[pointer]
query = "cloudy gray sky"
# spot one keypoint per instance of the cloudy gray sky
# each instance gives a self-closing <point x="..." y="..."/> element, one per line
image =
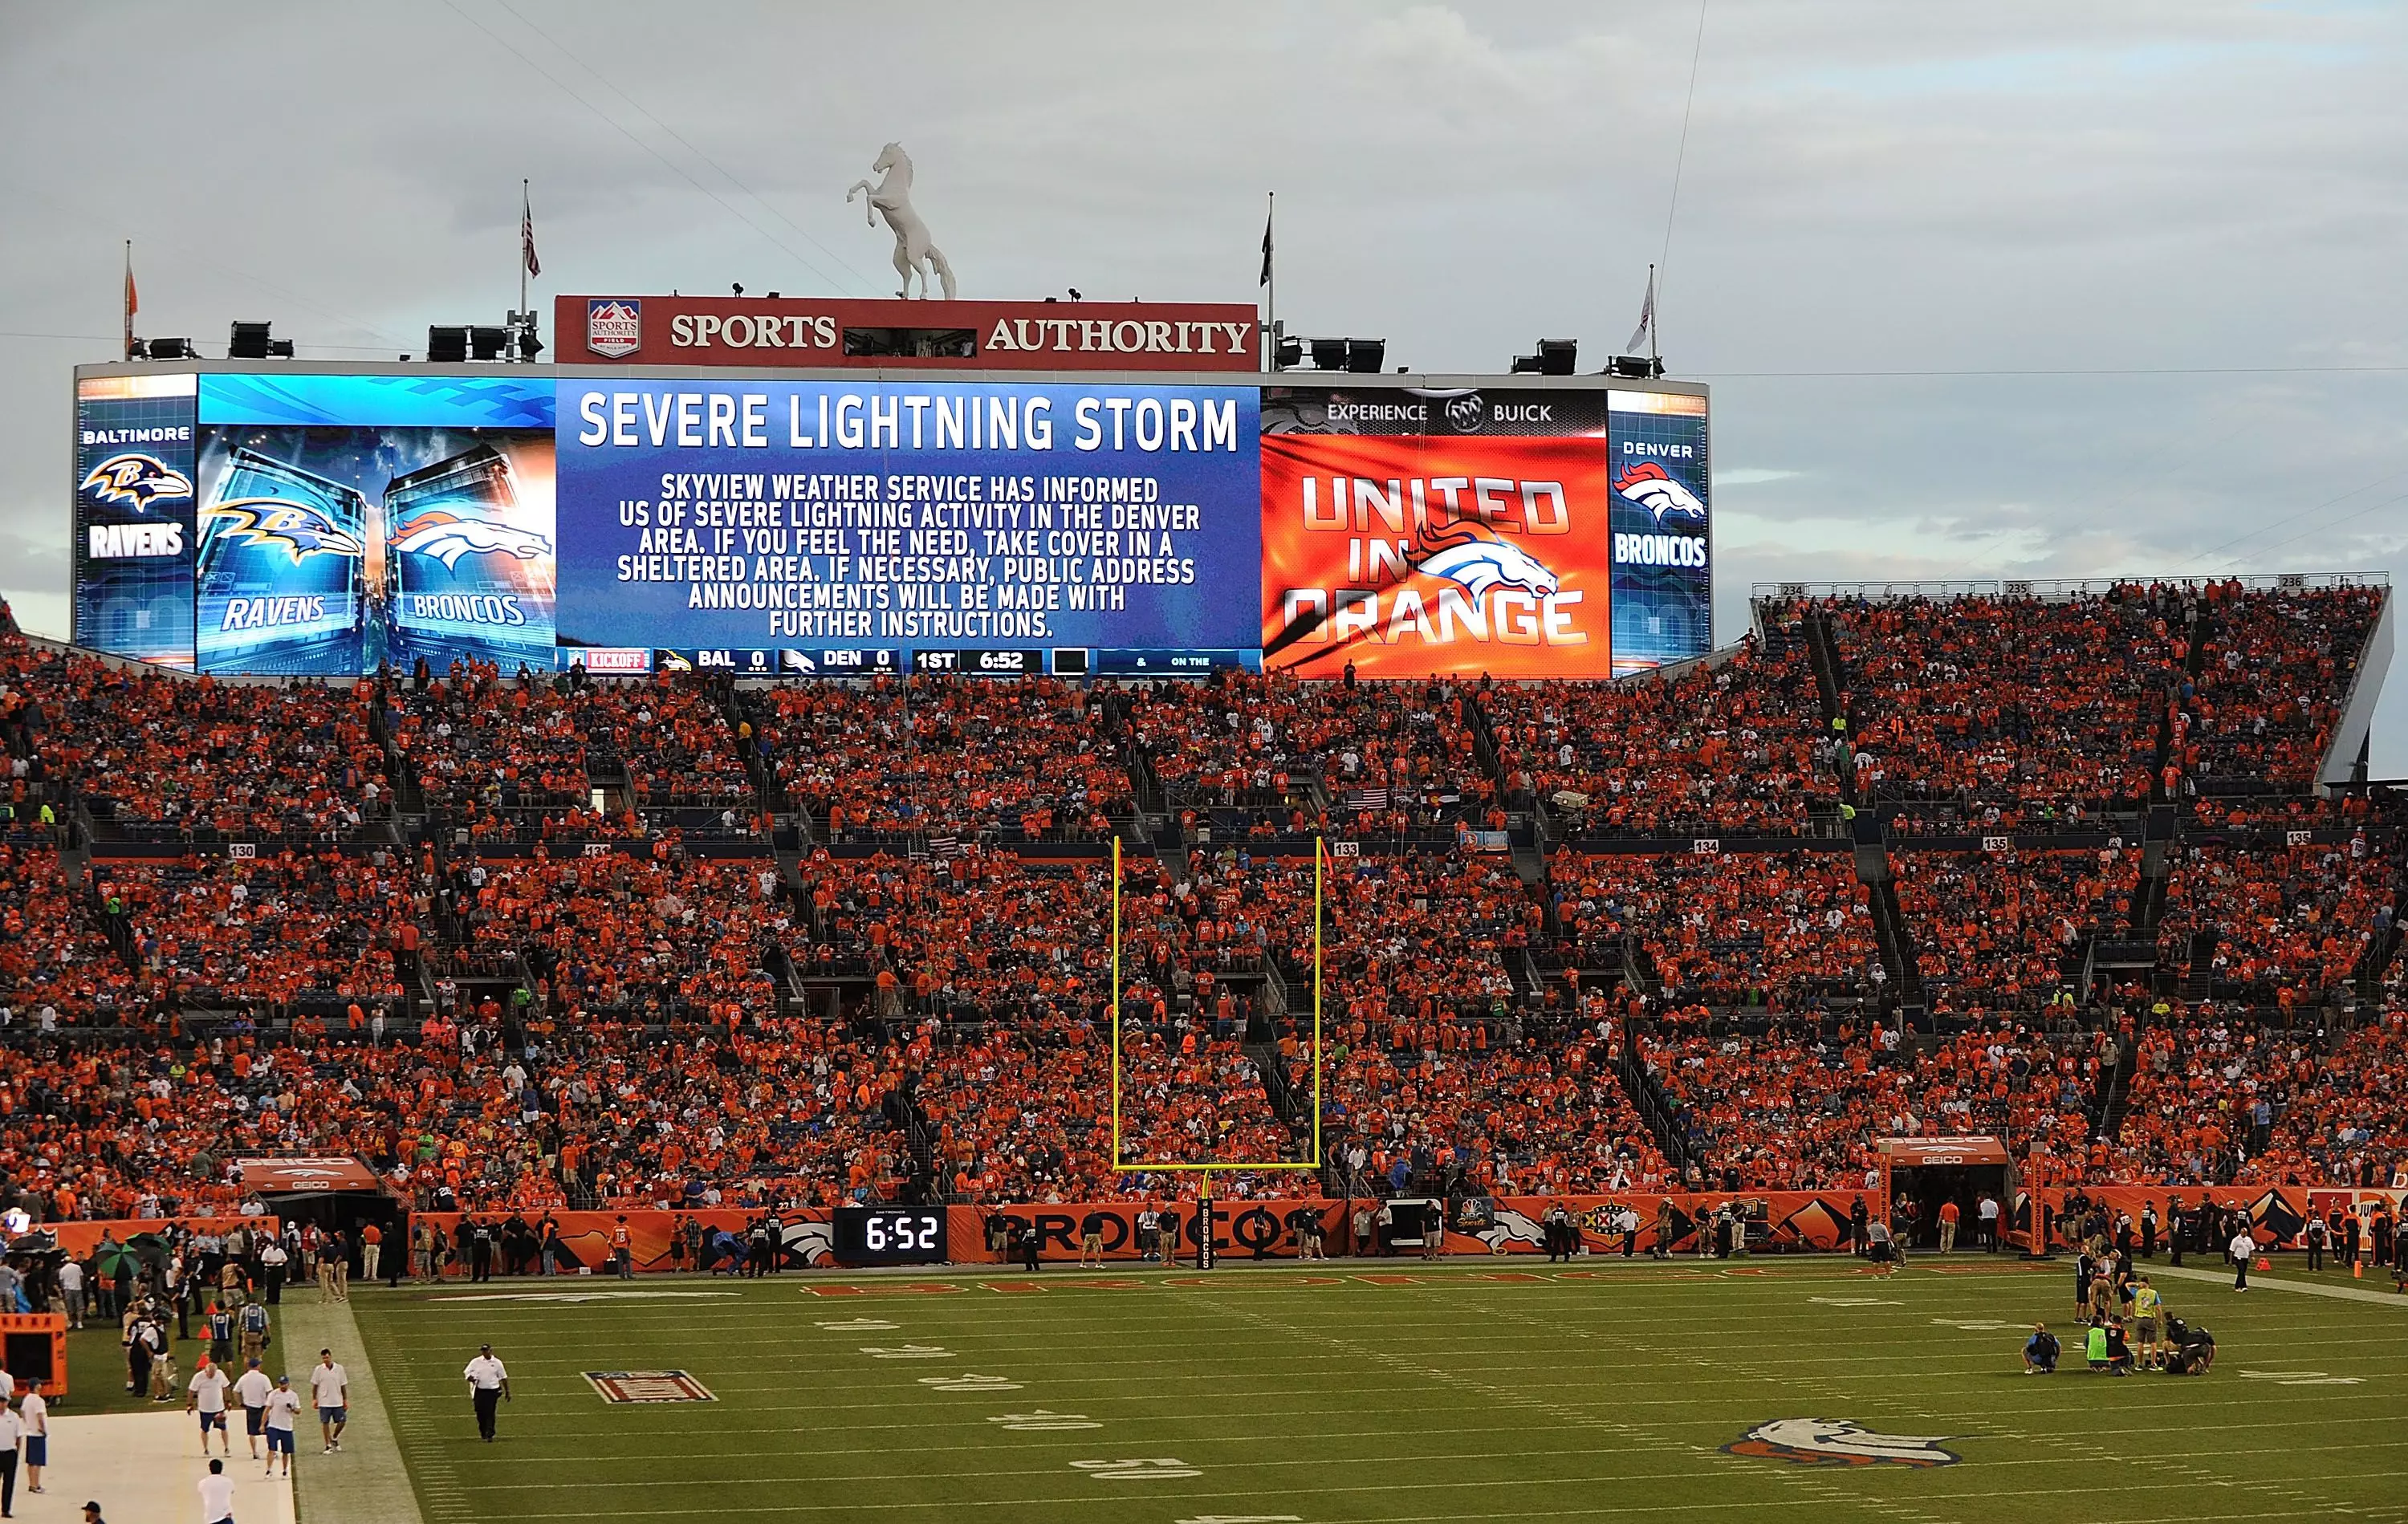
<point x="2050" y="290"/>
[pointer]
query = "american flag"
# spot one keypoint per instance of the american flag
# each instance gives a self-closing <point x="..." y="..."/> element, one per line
<point x="944" y="847"/>
<point x="526" y="233"/>
<point x="1367" y="799"/>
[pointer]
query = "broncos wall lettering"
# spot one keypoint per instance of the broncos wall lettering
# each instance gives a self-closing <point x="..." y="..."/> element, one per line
<point x="1410" y="556"/>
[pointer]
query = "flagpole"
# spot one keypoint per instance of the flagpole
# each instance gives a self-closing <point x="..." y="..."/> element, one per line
<point x="1652" y="337"/>
<point x="526" y="219"/>
<point x="125" y="301"/>
<point x="1270" y="279"/>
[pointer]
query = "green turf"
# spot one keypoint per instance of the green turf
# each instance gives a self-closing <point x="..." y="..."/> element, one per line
<point x="1457" y="1397"/>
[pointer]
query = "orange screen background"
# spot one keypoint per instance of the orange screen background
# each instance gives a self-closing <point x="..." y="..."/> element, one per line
<point x="1295" y="557"/>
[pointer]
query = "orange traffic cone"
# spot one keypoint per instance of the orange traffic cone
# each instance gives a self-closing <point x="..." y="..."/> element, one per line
<point x="2264" y="1263"/>
<point x="2357" y="1269"/>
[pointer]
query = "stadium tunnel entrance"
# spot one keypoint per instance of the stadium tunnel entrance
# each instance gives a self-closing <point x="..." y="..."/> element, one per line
<point x="1927" y="1174"/>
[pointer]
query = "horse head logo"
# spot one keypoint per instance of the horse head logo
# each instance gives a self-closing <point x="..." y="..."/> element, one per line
<point x="447" y="537"/>
<point x="810" y="1244"/>
<point x="1511" y="1227"/>
<point x="1482" y="564"/>
<point x="1826" y="1442"/>
<point x="1653" y="488"/>
<point x="915" y="253"/>
<point x="136" y="478"/>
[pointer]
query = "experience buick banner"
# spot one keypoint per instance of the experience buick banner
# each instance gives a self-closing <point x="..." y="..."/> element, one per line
<point x="350" y="521"/>
<point x="1409" y="556"/>
<point x="134" y="539"/>
<point x="1663" y="582"/>
<point x="907" y="516"/>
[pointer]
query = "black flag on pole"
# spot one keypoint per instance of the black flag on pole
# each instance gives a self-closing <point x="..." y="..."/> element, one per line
<point x="1266" y="278"/>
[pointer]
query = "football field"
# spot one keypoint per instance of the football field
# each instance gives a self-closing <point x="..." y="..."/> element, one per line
<point x="1386" y="1391"/>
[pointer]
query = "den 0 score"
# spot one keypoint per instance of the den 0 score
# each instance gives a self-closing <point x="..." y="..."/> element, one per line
<point x="890" y="1235"/>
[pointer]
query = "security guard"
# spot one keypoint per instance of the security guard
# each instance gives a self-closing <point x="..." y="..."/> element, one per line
<point x="489" y="1386"/>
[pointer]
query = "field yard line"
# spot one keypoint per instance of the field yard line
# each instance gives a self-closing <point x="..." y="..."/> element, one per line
<point x="368" y="1480"/>
<point x="2337" y="1293"/>
<point x="1088" y="1441"/>
<point x="1182" y="1499"/>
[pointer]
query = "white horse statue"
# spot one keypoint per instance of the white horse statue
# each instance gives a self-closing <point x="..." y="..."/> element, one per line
<point x="913" y="249"/>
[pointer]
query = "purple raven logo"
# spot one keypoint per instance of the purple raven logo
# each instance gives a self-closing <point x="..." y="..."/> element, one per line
<point x="299" y="528"/>
<point x="136" y="478"/>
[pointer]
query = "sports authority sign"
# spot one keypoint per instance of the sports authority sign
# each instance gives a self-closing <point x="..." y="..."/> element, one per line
<point x="798" y="332"/>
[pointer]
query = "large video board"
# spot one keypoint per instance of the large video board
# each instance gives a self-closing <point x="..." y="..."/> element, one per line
<point x="325" y="524"/>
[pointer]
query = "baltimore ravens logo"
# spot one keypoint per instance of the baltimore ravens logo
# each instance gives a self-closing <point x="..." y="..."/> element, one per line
<point x="447" y="537"/>
<point x="299" y="528"/>
<point x="1653" y="488"/>
<point x="1827" y="1442"/>
<point x="139" y="479"/>
<point x="1482" y="564"/>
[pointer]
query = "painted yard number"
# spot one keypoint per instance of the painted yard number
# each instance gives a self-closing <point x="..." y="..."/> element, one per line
<point x="970" y="1382"/>
<point x="1160" y="1469"/>
<point x="906" y="1351"/>
<point x="1042" y="1421"/>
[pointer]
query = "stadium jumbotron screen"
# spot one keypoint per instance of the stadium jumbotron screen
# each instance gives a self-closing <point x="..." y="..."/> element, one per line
<point x="797" y="524"/>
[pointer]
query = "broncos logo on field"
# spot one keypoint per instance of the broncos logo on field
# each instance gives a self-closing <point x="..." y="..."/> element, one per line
<point x="1653" y="488"/>
<point x="1829" y="1442"/>
<point x="136" y="478"/>
<point x="301" y="530"/>
<point x="1482" y="564"/>
<point x="447" y="537"/>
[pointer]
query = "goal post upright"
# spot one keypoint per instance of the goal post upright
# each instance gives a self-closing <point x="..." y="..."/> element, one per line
<point x="1114" y="1016"/>
<point x="1317" y="844"/>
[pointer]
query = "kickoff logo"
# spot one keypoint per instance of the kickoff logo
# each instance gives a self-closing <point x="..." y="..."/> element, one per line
<point x="1826" y="1442"/>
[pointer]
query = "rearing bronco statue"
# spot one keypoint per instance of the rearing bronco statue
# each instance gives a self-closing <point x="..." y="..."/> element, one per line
<point x="892" y="195"/>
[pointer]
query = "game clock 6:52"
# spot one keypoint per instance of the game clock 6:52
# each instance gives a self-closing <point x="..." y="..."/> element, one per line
<point x="890" y="1235"/>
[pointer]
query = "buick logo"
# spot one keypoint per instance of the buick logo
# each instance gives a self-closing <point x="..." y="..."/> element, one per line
<point x="1467" y="412"/>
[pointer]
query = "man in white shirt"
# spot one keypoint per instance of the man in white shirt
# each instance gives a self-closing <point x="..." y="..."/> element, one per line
<point x="489" y="1386"/>
<point x="12" y="1429"/>
<point x="253" y="1388"/>
<point x="71" y="1287"/>
<point x="217" y="1495"/>
<point x="284" y="1410"/>
<point x="2243" y="1245"/>
<point x="208" y="1398"/>
<point x="330" y="1387"/>
<point x="35" y="1412"/>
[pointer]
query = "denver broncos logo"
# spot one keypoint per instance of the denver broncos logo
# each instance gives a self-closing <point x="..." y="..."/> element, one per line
<point x="1826" y="1442"/>
<point x="1651" y="488"/>
<point x="448" y="536"/>
<point x="1482" y="564"/>
<point x="136" y="478"/>
<point x="299" y="528"/>
<point x="811" y="1243"/>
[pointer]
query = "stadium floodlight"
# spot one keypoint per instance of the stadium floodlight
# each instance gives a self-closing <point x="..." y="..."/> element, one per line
<point x="1287" y="354"/>
<point x="487" y="343"/>
<point x="1636" y="367"/>
<point x="1523" y="364"/>
<point x="1556" y="355"/>
<point x="250" y="341"/>
<point x="167" y="348"/>
<point x="1367" y="356"/>
<point x="446" y="346"/>
<point x="1329" y="354"/>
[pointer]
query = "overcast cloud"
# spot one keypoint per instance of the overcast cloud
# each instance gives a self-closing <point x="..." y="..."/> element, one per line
<point x="2199" y="203"/>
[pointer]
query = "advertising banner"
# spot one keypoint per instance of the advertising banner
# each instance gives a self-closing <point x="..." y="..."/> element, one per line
<point x="1663" y="580"/>
<point x="134" y="530"/>
<point x="829" y="332"/>
<point x="907" y="518"/>
<point x="1409" y="556"/>
<point x="350" y="521"/>
<point x="2278" y="1214"/>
